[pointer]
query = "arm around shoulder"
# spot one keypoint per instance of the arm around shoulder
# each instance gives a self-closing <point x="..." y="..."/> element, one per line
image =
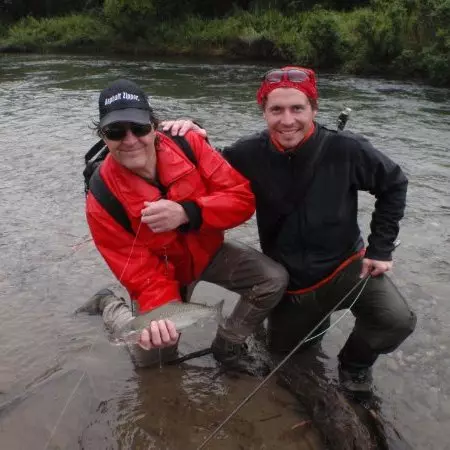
<point x="229" y="200"/>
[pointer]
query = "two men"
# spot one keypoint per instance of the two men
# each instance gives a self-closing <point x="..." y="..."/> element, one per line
<point x="306" y="180"/>
<point x="178" y="211"/>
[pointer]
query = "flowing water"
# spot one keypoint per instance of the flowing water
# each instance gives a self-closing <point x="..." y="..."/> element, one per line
<point x="64" y="386"/>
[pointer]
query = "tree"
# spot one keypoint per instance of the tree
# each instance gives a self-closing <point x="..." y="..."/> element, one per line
<point x="130" y="18"/>
<point x="16" y="9"/>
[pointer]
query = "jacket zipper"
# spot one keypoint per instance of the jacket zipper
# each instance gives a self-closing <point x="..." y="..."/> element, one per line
<point x="166" y="262"/>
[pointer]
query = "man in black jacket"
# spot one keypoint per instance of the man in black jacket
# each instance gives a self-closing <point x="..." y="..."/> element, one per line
<point x="306" y="180"/>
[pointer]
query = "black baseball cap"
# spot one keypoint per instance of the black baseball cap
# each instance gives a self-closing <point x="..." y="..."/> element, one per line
<point x="123" y="101"/>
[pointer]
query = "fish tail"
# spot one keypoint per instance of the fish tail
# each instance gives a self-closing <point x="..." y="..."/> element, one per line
<point x="219" y="307"/>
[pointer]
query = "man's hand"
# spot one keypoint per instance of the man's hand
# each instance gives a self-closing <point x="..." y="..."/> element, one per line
<point x="163" y="215"/>
<point x="159" y="334"/>
<point x="181" y="126"/>
<point x="373" y="267"/>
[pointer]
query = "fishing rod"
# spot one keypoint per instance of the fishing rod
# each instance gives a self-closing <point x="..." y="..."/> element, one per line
<point x="362" y="281"/>
<point x="343" y="117"/>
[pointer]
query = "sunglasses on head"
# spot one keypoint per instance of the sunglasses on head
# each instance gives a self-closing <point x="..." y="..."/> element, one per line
<point x="117" y="131"/>
<point x="293" y="75"/>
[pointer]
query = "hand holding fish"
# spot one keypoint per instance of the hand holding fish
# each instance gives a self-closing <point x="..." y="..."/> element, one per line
<point x="163" y="215"/>
<point x="374" y="268"/>
<point x="160" y="334"/>
<point x="160" y="327"/>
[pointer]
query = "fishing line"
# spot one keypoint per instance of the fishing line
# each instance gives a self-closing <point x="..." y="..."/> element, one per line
<point x="52" y="434"/>
<point x="346" y="312"/>
<point x="208" y="350"/>
<point x="307" y="338"/>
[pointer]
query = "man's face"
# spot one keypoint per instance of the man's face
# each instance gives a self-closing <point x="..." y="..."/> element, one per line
<point x="289" y="116"/>
<point x="135" y="152"/>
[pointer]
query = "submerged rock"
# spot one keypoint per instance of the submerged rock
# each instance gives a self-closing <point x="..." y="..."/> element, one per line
<point x="330" y="412"/>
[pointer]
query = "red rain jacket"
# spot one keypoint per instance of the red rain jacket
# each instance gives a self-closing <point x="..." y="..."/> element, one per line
<point x="155" y="265"/>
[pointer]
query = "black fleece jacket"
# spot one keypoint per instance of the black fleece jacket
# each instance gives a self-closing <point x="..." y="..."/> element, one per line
<point x="311" y="229"/>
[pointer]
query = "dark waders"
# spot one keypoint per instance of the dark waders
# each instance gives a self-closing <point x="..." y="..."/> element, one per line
<point x="383" y="318"/>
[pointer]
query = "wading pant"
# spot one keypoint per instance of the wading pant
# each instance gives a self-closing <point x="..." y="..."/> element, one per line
<point x="383" y="318"/>
<point x="260" y="282"/>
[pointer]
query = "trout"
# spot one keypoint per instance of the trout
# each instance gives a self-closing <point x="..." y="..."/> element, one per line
<point x="183" y="315"/>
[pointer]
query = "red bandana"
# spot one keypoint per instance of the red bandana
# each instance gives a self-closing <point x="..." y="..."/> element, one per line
<point x="308" y="86"/>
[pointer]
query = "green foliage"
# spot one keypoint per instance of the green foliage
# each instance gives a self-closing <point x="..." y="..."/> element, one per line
<point x="131" y="19"/>
<point x="295" y="6"/>
<point x="321" y="34"/>
<point x="396" y="37"/>
<point x="436" y="58"/>
<point x="425" y="43"/>
<point x="243" y="25"/>
<point x="71" y="31"/>
<point x="3" y="29"/>
<point x="373" y="38"/>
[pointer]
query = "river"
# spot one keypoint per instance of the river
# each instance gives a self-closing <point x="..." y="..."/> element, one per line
<point x="64" y="386"/>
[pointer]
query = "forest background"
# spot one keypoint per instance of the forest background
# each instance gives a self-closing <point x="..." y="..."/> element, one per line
<point x="392" y="38"/>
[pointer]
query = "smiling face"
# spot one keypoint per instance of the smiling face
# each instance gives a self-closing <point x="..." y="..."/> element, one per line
<point x="289" y="116"/>
<point x="136" y="153"/>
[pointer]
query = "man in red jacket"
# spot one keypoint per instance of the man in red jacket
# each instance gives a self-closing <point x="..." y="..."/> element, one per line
<point x="178" y="212"/>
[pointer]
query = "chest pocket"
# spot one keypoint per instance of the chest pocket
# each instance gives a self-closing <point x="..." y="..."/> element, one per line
<point x="178" y="175"/>
<point x="189" y="186"/>
<point x="327" y="203"/>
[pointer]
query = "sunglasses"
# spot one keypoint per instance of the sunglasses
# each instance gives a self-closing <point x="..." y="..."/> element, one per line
<point x="293" y="75"/>
<point x="117" y="131"/>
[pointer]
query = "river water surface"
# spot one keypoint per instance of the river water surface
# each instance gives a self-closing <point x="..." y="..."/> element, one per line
<point x="64" y="386"/>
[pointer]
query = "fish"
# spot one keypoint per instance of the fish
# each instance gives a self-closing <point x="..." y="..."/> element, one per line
<point x="183" y="315"/>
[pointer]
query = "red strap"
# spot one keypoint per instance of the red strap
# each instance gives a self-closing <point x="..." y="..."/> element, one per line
<point x="342" y="266"/>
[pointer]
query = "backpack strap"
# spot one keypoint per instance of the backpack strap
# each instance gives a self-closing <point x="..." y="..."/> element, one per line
<point x="95" y="149"/>
<point x="185" y="147"/>
<point x="106" y="198"/>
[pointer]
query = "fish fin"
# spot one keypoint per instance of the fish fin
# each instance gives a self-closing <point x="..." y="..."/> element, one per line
<point x="219" y="307"/>
<point x="125" y="338"/>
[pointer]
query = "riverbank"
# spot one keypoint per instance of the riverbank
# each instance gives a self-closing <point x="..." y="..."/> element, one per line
<point x="388" y="41"/>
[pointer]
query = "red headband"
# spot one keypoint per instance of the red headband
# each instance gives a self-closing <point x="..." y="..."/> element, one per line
<point x="308" y="86"/>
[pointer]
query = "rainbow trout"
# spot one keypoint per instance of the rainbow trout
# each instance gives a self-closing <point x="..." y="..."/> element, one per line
<point x="183" y="315"/>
